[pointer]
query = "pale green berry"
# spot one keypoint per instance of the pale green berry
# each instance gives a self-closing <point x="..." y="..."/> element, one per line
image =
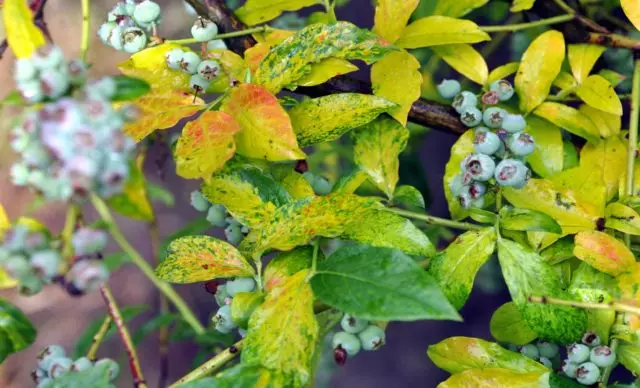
<point x="17" y="266"/>
<point x="116" y="38"/>
<point x="38" y="375"/>
<point x="86" y="241"/>
<point x="111" y="366"/>
<point x="31" y="91"/>
<point x="477" y="190"/>
<point x="546" y="362"/>
<point x="48" y="354"/>
<point x="448" y="88"/>
<point x="45" y="383"/>
<point x="30" y="285"/>
<point x="217" y="216"/>
<point x="190" y="62"/>
<point x="514" y="123"/>
<point x="104" y="32"/>
<point x="486" y="142"/>
<point x="522" y="144"/>
<point x="591" y="339"/>
<point x="221" y="296"/>
<point x="216" y="44"/>
<point x="135" y="39"/>
<point x="603" y="356"/>
<point x="222" y="319"/>
<point x="209" y="70"/>
<point x="493" y="117"/>
<point x="347" y="341"/>
<point x="198" y="83"/>
<point x="471" y="116"/>
<point x="233" y="233"/>
<point x="464" y="199"/>
<point x="479" y="166"/>
<point x="59" y="367"/>
<point x="173" y="58"/>
<point x="321" y="186"/>
<point x="103" y="88"/>
<point x="511" y="172"/>
<point x="88" y="275"/>
<point x="578" y="353"/>
<point x="548" y="349"/>
<point x="199" y="202"/>
<point x="353" y="325"/>
<point x="569" y="368"/>
<point x="503" y="88"/>
<point x="530" y="351"/>
<point x="189" y="9"/>
<point x="372" y="338"/>
<point x="19" y="174"/>
<point x="240" y="285"/>
<point x="81" y="364"/>
<point x="463" y="100"/>
<point x="46" y="263"/>
<point x="588" y="373"/>
<point x="204" y="30"/>
<point x="146" y="12"/>
<point x="48" y="57"/>
<point x="77" y="71"/>
<point x="25" y="70"/>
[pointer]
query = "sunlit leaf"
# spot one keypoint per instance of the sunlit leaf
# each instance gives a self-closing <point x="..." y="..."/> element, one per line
<point x="408" y="197"/>
<point x="150" y="65"/>
<point x="548" y="157"/>
<point x="628" y="354"/>
<point x="440" y="30"/>
<point x="508" y="325"/>
<point x="527" y="220"/>
<point x="622" y="218"/>
<point x="286" y="264"/>
<point x="5" y="222"/>
<point x="496" y="377"/>
<point x="522" y="5"/>
<point x="349" y="183"/>
<point x="133" y="201"/>
<point x="243" y="305"/>
<point x="603" y="252"/>
<point x="631" y="8"/>
<point x="599" y="93"/>
<point x="326" y="69"/>
<point x="566" y="82"/>
<point x="259" y="11"/>
<point x="582" y="57"/>
<point x="608" y="124"/>
<point x="391" y="17"/>
<point x="295" y="184"/>
<point x="502" y="72"/>
<point x="462" y="148"/>
<point x="16" y="331"/>
<point x="23" y="36"/>
<point x="465" y="60"/>
<point x="570" y="119"/>
<point x="457" y="8"/>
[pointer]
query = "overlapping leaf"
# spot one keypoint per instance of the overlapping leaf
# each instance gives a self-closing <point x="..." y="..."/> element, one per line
<point x="16" y="332"/>
<point x="259" y="11"/>
<point x="286" y="264"/>
<point x="569" y="119"/>
<point x="603" y="252"/>
<point x="548" y="157"/>
<point x="465" y="60"/>
<point x="508" y="325"/>
<point x="462" y="148"/>
<point x="133" y="201"/>
<point x="496" y="377"/>
<point x="23" y="36"/>
<point x="582" y="57"/>
<point x="608" y="124"/>
<point x="600" y="94"/>
<point x="622" y="218"/>
<point x="326" y="69"/>
<point x="631" y="8"/>
<point x="439" y="30"/>
<point x="502" y="72"/>
<point x="391" y="17"/>
<point x="629" y="354"/>
<point x="527" y="220"/>
<point x="150" y="65"/>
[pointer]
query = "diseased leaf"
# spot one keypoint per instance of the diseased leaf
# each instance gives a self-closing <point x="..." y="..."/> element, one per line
<point x="349" y="183"/>
<point x="16" y="331"/>
<point x="22" y="34"/>
<point x="376" y="148"/>
<point x="457" y="8"/>
<point x="440" y="30"/>
<point x="582" y="57"/>
<point x="496" y="377"/>
<point x="458" y="354"/>
<point x="462" y="148"/>
<point x="286" y="264"/>
<point x="327" y="118"/>
<point x="266" y="131"/>
<point x="243" y="305"/>
<point x="150" y="65"/>
<point x="502" y="72"/>
<point x="527" y="220"/>
<point x="508" y="325"/>
<point x="133" y="201"/>
<point x="397" y="78"/>
<point x="391" y="17"/>
<point x="608" y="124"/>
<point x="522" y="5"/>
<point x="548" y="158"/>
<point x="201" y="258"/>
<point x="603" y="252"/>
<point x="259" y="11"/>
<point x="631" y="9"/>
<point x="540" y="65"/>
<point x="283" y="330"/>
<point x="295" y="184"/>
<point x="326" y="69"/>
<point x="569" y="119"/>
<point x="622" y="218"/>
<point x="628" y="284"/>
<point x="465" y="60"/>
<point x="456" y="267"/>
<point x="628" y="354"/>
<point x="205" y="145"/>
<point x="408" y="197"/>
<point x="559" y="251"/>
<point x="394" y="286"/>
<point x="599" y="93"/>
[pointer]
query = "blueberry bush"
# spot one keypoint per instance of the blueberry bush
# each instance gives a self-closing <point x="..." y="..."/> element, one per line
<point x="310" y="175"/>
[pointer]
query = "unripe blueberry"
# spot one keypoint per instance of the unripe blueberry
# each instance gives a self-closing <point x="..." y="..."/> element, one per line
<point x="87" y="240"/>
<point x="17" y="266"/>
<point x="189" y="8"/>
<point x="146" y="12"/>
<point x="587" y="373"/>
<point x="217" y="216"/>
<point x="477" y="190"/>
<point x="591" y="339"/>
<point x="112" y="367"/>
<point x="81" y="364"/>
<point x="353" y="325"/>
<point x="37" y="375"/>
<point x="569" y="368"/>
<point x="30" y="285"/>
<point x="522" y="144"/>
<point x="503" y="88"/>
<point x="25" y="70"/>
<point x="493" y="117"/>
<point x="486" y="142"/>
<point x="456" y="185"/>
<point x="45" y="383"/>
<point x="233" y="233"/>
<point x="464" y="199"/>
<point x="321" y="186"/>
<point x="577" y="353"/>
<point x="209" y="69"/>
<point x="129" y="7"/>
<point x="48" y="354"/>
<point x="222" y="319"/>
<point x="190" y="62"/>
<point x="463" y="100"/>
<point x="448" y="88"/>
<point x="31" y="91"/>
<point x="118" y="11"/>
<point x="471" y="116"/>
<point x="546" y="362"/>
<point x="103" y="88"/>
<point x="477" y="203"/>
<point x="514" y="123"/>
<point x="511" y="172"/>
<point x="48" y="57"/>
<point x="216" y="44"/>
<point x="88" y="275"/>
<point x="59" y="367"/>
<point x="135" y="39"/>
<point x="77" y="71"/>
<point x="36" y="156"/>
<point x="199" y="202"/>
<point x="603" y="356"/>
<point x="104" y="32"/>
<point x="198" y="83"/>
<point x="173" y="58"/>
<point x="490" y="98"/>
<point x="204" y="30"/>
<point x="347" y="341"/>
<point x="548" y="349"/>
<point x="46" y="263"/>
<point x="372" y="338"/>
<point x="479" y="166"/>
<point x="530" y="351"/>
<point x="240" y="285"/>
<point x="221" y="295"/>
<point x="116" y="38"/>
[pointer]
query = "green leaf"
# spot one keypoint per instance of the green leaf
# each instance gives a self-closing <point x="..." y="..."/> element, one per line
<point x="508" y="325"/>
<point x="16" y="331"/>
<point x="582" y="57"/>
<point x="286" y="264"/>
<point x="496" y="377"/>
<point x="569" y="119"/>
<point x="259" y="11"/>
<point x="115" y="260"/>
<point x="456" y="267"/>
<point x="133" y="201"/>
<point x="527" y="220"/>
<point x="243" y="305"/>
<point x="559" y="251"/>
<point x="457" y="8"/>
<point x="440" y="30"/>
<point x="527" y="274"/>
<point x="327" y="118"/>
<point x="465" y="60"/>
<point x="561" y="381"/>
<point x="622" y="218"/>
<point x="565" y="82"/>
<point x="408" y="197"/>
<point x="376" y="148"/>
<point x="97" y="376"/>
<point x="522" y="5"/>
<point x="458" y="354"/>
<point x="291" y="60"/>
<point x="571" y="158"/>
<point x="608" y="124"/>
<point x="599" y="93"/>
<point x="613" y="77"/>
<point x="241" y="376"/>
<point x="603" y="252"/>
<point x="540" y="65"/>
<point x="160" y="194"/>
<point x="153" y="325"/>
<point x="129" y="88"/>
<point x="548" y="157"/>
<point x="391" y="17"/>
<point x="23" y="36"/>
<point x="394" y="286"/>
<point x="629" y="356"/>
<point x="283" y="330"/>
<point x="502" y="72"/>
<point x="462" y="147"/>
<point x="483" y="216"/>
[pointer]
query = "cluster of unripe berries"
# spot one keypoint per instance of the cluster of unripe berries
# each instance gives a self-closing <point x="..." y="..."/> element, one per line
<point x="585" y="359"/>
<point x="224" y="297"/>
<point x="356" y="334"/>
<point x="128" y="25"/>
<point x="88" y="271"/>
<point x="53" y="364"/>
<point x="217" y="215"/>
<point x="500" y="144"/>
<point x="202" y="71"/>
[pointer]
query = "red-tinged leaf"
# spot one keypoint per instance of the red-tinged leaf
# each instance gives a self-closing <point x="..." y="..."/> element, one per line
<point x="603" y="252"/>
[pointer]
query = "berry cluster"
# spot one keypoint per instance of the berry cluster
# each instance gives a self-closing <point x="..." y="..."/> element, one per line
<point x="224" y="297"/>
<point x="202" y="71"/>
<point x="128" y="25"/>
<point x="88" y="272"/>
<point x="320" y="185"/>
<point x="217" y="215"/>
<point x="357" y="334"/>
<point x="500" y="145"/>
<point x="585" y="359"/>
<point x="53" y="364"/>
<point x="546" y="353"/>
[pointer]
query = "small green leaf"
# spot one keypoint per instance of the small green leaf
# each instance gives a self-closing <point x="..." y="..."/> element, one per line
<point x="115" y="260"/>
<point x="483" y="216"/>
<point x="508" y="325"/>
<point x="599" y="93"/>
<point x="129" y="88"/>
<point x="548" y="157"/>
<point x="243" y="305"/>
<point x="465" y="60"/>
<point x="160" y="194"/>
<point x="286" y="264"/>
<point x="16" y="331"/>
<point x="395" y="287"/>
<point x="569" y="119"/>
<point x="582" y="57"/>
<point x="458" y="8"/>
<point x="603" y="252"/>
<point x="614" y="78"/>
<point x="201" y="258"/>
<point x="259" y="11"/>
<point x="622" y="218"/>
<point x="133" y="201"/>
<point x="559" y="251"/>
<point x="408" y="197"/>
<point x="629" y="356"/>
<point x="527" y="220"/>
<point x="440" y="30"/>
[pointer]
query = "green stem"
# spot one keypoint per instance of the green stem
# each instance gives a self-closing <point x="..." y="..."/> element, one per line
<point x="86" y="25"/>
<point x="436" y="220"/>
<point x="314" y="258"/>
<point x="524" y="26"/>
<point x="138" y="260"/>
<point x="565" y="97"/>
<point x="97" y="339"/>
<point x="73" y="212"/>
<point x="331" y="12"/>
<point x="212" y="365"/>
<point x="633" y="129"/>
<point x="233" y="34"/>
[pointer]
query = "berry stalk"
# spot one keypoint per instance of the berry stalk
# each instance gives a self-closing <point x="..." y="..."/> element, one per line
<point x="73" y="212"/>
<point x="86" y="26"/>
<point x="212" y="365"/>
<point x="234" y="34"/>
<point x="436" y="220"/>
<point x="524" y="26"/>
<point x="97" y="339"/>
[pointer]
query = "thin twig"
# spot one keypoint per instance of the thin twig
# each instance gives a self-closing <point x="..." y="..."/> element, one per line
<point x="212" y="365"/>
<point x="524" y="26"/>
<point x="163" y="332"/>
<point x="436" y="220"/>
<point x="97" y="339"/>
<point x="585" y="21"/>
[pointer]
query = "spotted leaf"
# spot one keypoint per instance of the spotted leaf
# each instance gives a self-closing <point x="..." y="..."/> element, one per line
<point x="603" y="252"/>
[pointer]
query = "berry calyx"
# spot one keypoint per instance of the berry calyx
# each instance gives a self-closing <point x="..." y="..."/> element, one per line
<point x="463" y="100"/>
<point x="372" y="338"/>
<point x="493" y="117"/>
<point x="486" y="142"/>
<point x="603" y="356"/>
<point x="471" y="116"/>
<point x="590" y="339"/>
<point x="503" y="88"/>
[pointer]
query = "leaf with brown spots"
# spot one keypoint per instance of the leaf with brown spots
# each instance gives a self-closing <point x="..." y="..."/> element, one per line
<point x="603" y="252"/>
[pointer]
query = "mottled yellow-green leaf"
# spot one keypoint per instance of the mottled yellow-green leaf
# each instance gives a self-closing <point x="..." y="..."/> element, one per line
<point x="548" y="157"/>
<point x="539" y="66"/>
<point x="150" y="65"/>
<point x="23" y="36"/>
<point x="6" y="281"/>
<point x="349" y="183"/>
<point x="253" y="55"/>
<point x="608" y="124"/>
<point x="243" y="305"/>
<point x="266" y="131"/>
<point x="582" y="57"/>
<point x="327" y="118"/>
<point x="628" y="284"/>
<point x="465" y="60"/>
<point x="622" y="218"/>
<point x="259" y="11"/>
<point x="569" y="119"/>
<point x="324" y="70"/>
<point x="457" y="8"/>
<point x="496" y="377"/>
<point x="631" y="8"/>
<point x="508" y="325"/>
<point x="606" y="161"/>
<point x="376" y="148"/>
<point x="133" y="202"/>
<point x="283" y="330"/>
<point x="599" y="93"/>
<point x="603" y="252"/>
<point x="455" y="268"/>
<point x="286" y="264"/>
<point x="200" y="258"/>
<point x="205" y="145"/>
<point x="391" y="17"/>
<point x="233" y="66"/>
<point x="628" y="354"/>
<point x="502" y="72"/>
<point x="462" y="148"/>
<point x="457" y="354"/>
<point x="397" y="78"/>
<point x="439" y="30"/>
<point x="296" y="185"/>
<point x="522" y="5"/>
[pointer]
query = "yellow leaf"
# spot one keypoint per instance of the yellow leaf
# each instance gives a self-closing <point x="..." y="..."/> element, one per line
<point x="324" y="70"/>
<point x="151" y="66"/>
<point x="565" y="81"/>
<point x="582" y="57"/>
<point x="465" y="60"/>
<point x="622" y="218"/>
<point x="397" y="78"/>
<point x="133" y="201"/>
<point x="548" y="157"/>
<point x="296" y="185"/>
<point x="205" y="145"/>
<point x="391" y="17"/>
<point x="23" y="35"/>
<point x="462" y="148"/>
<point x="607" y="159"/>
<point x="235" y="69"/>
<point x="569" y="119"/>
<point x="5" y="223"/>
<point x="266" y="131"/>
<point x="540" y="65"/>
<point x="161" y="110"/>
<point x="7" y="281"/>
<point x="631" y="8"/>
<point x="496" y="377"/>
<point x="502" y="72"/>
<point x="628" y="283"/>
<point x="259" y="11"/>
<point x="440" y="30"/>
<point x="598" y="92"/>
<point x="522" y="5"/>
<point x="603" y="252"/>
<point x="457" y="8"/>
<point x="608" y="124"/>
